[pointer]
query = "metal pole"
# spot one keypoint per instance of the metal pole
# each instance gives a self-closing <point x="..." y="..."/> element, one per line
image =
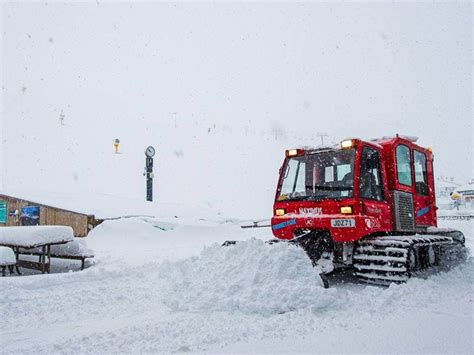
<point x="149" y="179"/>
<point x="322" y="135"/>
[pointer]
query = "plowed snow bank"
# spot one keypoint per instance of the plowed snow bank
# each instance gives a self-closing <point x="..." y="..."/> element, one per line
<point x="251" y="277"/>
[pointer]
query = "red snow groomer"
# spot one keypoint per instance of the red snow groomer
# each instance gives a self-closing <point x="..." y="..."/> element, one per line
<point x="369" y="205"/>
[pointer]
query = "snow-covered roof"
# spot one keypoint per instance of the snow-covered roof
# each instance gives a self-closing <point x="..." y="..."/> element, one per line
<point x="413" y="139"/>
<point x="105" y="206"/>
<point x="465" y="188"/>
<point x="319" y="147"/>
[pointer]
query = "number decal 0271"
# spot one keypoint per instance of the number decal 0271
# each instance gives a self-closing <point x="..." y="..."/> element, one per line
<point x="343" y="223"/>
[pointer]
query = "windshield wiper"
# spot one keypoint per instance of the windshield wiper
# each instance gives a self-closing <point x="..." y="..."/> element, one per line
<point x="333" y="188"/>
<point x="307" y="198"/>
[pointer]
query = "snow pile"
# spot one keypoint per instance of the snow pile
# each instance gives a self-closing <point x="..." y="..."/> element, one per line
<point x="31" y="236"/>
<point x="77" y="247"/>
<point x="7" y="256"/>
<point x="138" y="241"/>
<point x="251" y="277"/>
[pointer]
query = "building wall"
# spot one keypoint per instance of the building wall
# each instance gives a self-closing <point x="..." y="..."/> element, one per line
<point x="80" y="223"/>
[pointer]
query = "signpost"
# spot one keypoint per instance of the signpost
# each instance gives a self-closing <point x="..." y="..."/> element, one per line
<point x="149" y="153"/>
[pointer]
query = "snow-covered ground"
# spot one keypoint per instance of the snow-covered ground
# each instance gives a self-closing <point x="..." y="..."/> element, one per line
<point x="170" y="287"/>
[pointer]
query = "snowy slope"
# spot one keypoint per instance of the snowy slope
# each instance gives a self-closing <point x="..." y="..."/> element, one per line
<point x="161" y="287"/>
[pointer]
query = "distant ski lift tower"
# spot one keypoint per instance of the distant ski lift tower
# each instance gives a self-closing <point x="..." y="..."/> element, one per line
<point x="62" y="116"/>
<point x="322" y="135"/>
<point x="116" y="145"/>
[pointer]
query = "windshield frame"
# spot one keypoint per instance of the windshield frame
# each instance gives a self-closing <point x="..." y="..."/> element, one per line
<point x="337" y="186"/>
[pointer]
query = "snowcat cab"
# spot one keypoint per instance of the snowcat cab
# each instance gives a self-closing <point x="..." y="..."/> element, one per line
<point x="364" y="204"/>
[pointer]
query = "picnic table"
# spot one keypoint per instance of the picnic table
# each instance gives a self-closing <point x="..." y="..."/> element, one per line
<point x="39" y="238"/>
<point x="75" y="250"/>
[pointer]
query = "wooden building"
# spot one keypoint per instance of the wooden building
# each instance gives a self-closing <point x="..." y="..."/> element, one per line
<point x="17" y="211"/>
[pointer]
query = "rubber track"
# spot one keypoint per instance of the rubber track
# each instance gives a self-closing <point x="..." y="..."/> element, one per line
<point x="386" y="260"/>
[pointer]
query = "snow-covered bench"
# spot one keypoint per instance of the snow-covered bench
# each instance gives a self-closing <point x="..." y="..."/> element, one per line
<point x="7" y="259"/>
<point x="75" y="250"/>
<point x="30" y="237"/>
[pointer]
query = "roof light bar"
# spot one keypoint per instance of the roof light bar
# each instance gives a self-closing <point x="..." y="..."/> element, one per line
<point x="348" y="143"/>
<point x="293" y="152"/>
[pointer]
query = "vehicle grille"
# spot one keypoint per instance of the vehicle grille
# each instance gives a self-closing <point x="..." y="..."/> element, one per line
<point x="403" y="210"/>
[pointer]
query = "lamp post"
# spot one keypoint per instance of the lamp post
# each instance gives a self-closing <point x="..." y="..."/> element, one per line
<point x="149" y="153"/>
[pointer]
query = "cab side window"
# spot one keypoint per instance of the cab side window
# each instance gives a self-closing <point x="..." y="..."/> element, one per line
<point x="370" y="180"/>
<point x="403" y="165"/>
<point x="421" y="180"/>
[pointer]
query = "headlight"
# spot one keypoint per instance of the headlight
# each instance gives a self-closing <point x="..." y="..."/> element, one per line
<point x="346" y="210"/>
<point x="279" y="212"/>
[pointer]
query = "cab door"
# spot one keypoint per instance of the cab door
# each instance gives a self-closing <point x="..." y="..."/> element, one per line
<point x="372" y="191"/>
<point x="421" y="194"/>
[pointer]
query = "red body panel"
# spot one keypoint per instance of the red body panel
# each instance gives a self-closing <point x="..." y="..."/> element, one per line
<point x="364" y="225"/>
<point x="370" y="216"/>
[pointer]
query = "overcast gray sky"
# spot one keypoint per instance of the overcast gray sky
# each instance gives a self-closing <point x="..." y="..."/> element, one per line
<point x="348" y="69"/>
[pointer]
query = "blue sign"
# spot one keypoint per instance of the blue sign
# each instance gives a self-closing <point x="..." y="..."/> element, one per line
<point x="30" y="216"/>
<point x="422" y="211"/>
<point x="281" y="225"/>
<point x="3" y="212"/>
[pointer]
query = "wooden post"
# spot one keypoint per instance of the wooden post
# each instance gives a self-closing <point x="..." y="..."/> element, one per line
<point x="49" y="257"/>
<point x="43" y="266"/>
<point x="17" y="254"/>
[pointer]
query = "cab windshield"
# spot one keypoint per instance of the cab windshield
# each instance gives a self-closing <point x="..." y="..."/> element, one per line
<point x="317" y="176"/>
